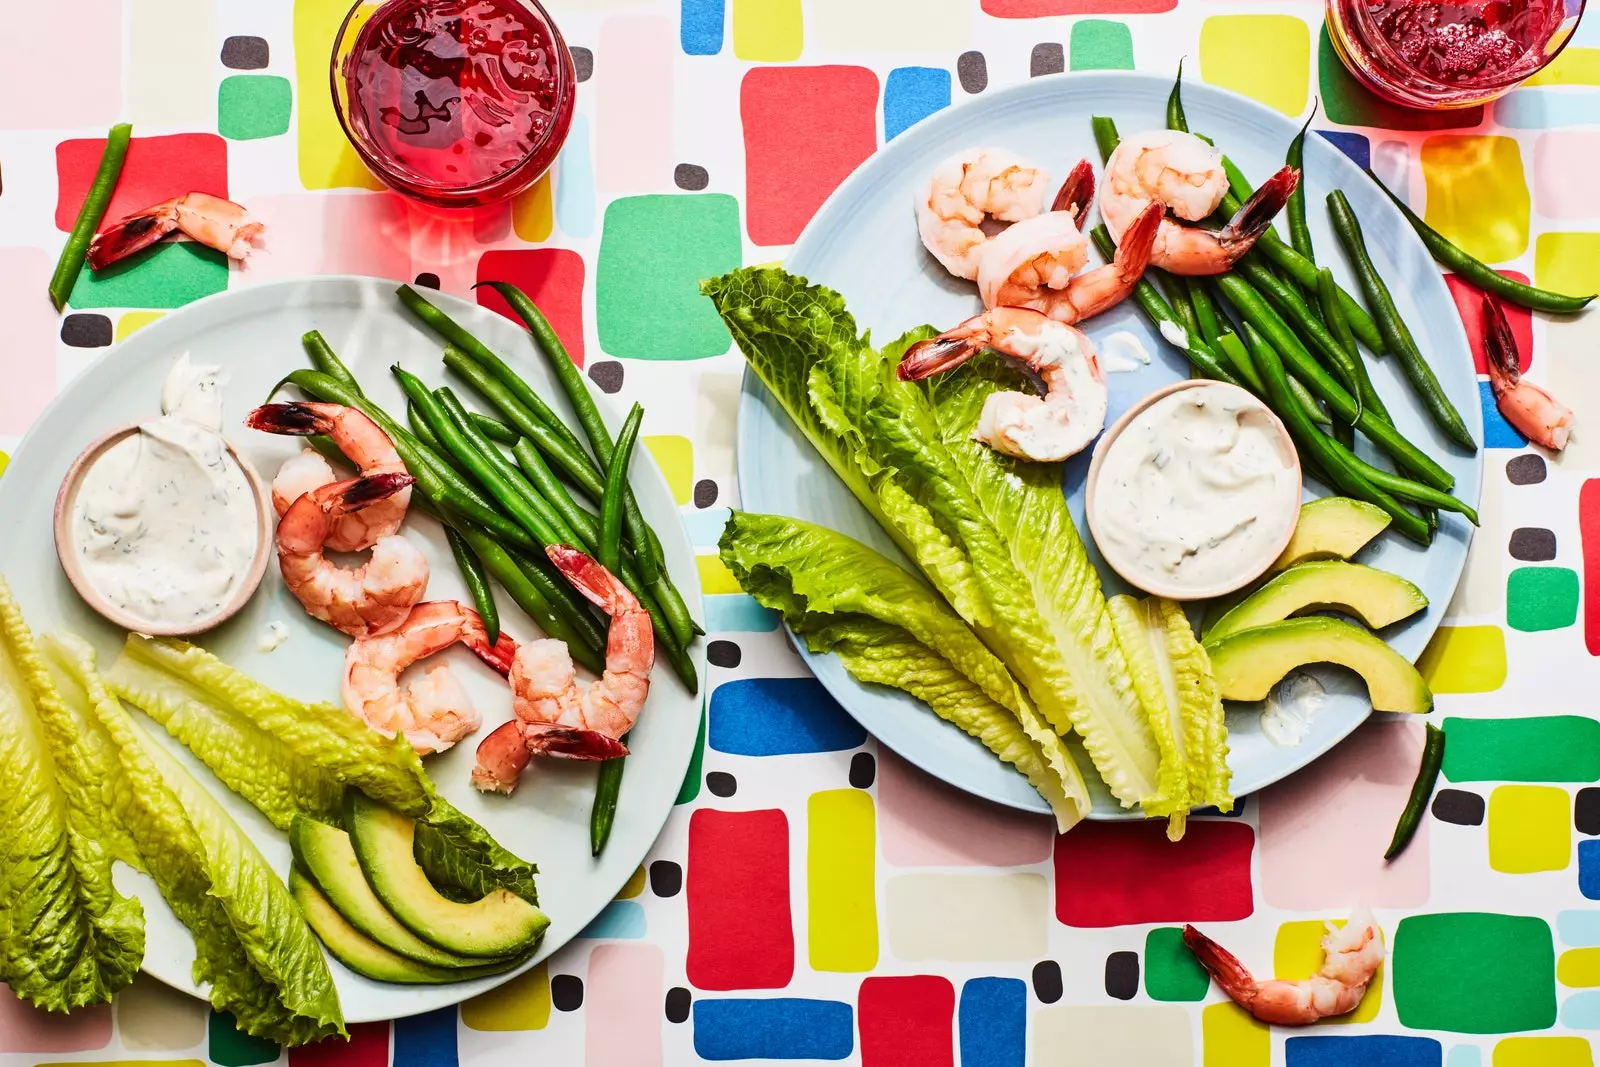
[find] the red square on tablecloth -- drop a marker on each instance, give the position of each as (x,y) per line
(552,278)
(1113,874)
(741,935)
(157,169)
(906,1022)
(1469,302)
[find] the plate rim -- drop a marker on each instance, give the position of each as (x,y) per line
(451,994)
(751,388)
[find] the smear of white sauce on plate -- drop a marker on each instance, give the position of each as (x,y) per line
(1122,352)
(273,635)
(1290,708)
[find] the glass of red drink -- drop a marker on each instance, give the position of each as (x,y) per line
(454,102)
(1428,54)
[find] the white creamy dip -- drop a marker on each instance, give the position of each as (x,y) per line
(164,522)
(1195,496)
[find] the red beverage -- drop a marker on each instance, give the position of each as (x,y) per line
(457,102)
(1439,55)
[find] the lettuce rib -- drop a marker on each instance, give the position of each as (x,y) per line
(67,938)
(252,945)
(891,629)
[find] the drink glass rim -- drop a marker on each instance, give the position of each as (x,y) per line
(1374,40)
(566,84)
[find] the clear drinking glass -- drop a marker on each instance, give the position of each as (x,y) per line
(454,102)
(1426,54)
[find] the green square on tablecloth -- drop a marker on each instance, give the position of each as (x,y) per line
(1170,970)
(250,106)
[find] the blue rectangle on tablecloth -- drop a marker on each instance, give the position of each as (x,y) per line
(700,31)
(993,1017)
(911,94)
(1589,869)
(1354,145)
(620,918)
(1497,432)
(779,717)
(779,1028)
(426,1040)
(1368,1050)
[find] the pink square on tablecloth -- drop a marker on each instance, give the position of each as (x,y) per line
(24,1028)
(1324,829)
(926,823)
(1033,9)
(622,1006)
(30,332)
(1564,163)
(63,77)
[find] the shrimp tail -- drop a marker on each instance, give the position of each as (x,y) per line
(567,742)
(358,493)
(1138,241)
(499,655)
(128,235)
(1499,348)
(293,419)
(1224,966)
(1076,193)
(935,356)
(1257,213)
(502,757)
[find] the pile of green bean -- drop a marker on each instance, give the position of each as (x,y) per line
(502,511)
(1292,339)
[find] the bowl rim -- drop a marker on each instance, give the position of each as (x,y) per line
(1115,430)
(67,494)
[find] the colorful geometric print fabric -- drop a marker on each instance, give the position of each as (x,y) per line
(813,897)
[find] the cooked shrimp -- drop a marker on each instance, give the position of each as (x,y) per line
(1185,175)
(1048,428)
(362,443)
(964,190)
(372,599)
(211,220)
(1035,264)
(1537,415)
(1352,955)
(435,711)
(556,714)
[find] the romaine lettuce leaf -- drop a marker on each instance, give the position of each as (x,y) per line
(891,629)
(283,756)
(67,937)
(992,535)
(1172,675)
(252,945)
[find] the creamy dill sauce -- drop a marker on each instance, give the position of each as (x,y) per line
(1196,493)
(164,521)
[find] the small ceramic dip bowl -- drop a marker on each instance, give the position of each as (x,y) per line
(1194,491)
(66,501)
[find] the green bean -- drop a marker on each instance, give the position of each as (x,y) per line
(1202,355)
(1177,296)
(1296,313)
(575,464)
(419,426)
(495,430)
(594,427)
(532,592)
(1309,403)
(616,482)
(1238,357)
(508,472)
(477,581)
(1205,310)
(1407,489)
(1105,136)
(327,361)
(538,472)
(1299,232)
(1340,403)
(1347,479)
(604,813)
(1479,273)
(1421,790)
(446,327)
(1396,337)
(95,202)
(1338,324)
(1176,120)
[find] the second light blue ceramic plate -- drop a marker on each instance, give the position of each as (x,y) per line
(863,243)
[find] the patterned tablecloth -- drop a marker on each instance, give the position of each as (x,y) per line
(812,896)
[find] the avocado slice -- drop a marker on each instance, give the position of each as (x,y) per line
(1249,663)
(325,854)
(365,956)
(1376,597)
(499,924)
(1334,527)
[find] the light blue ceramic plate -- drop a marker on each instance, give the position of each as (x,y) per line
(863,243)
